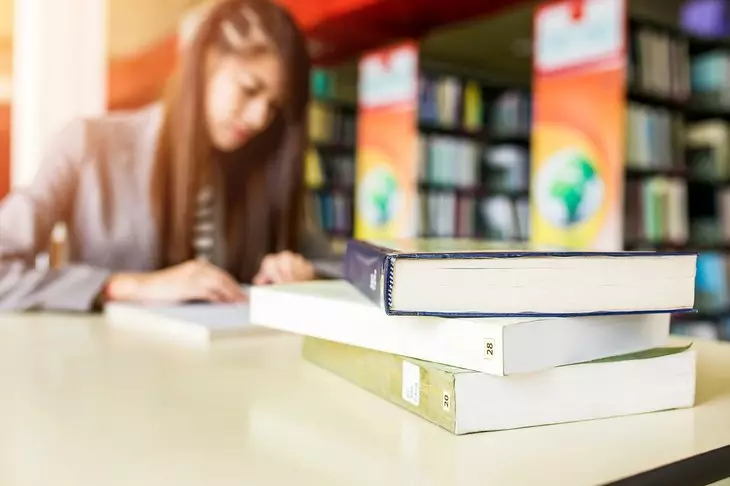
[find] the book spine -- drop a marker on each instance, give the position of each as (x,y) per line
(365,269)
(411,384)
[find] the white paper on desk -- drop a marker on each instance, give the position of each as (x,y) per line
(193,321)
(214,317)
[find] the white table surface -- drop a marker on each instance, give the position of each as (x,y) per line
(86,405)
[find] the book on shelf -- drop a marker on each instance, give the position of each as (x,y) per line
(678,172)
(449,170)
(411,278)
(658,63)
(465,214)
(331,211)
(710,73)
(708,150)
(507,168)
(472,159)
(505,211)
(332,122)
(712,282)
(448,160)
(330,166)
(336,311)
(654,138)
(451,102)
(473,118)
(656,210)
(504,218)
(441,102)
(464,401)
(510,114)
(712,321)
(656,202)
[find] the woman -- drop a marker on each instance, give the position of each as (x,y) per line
(184,200)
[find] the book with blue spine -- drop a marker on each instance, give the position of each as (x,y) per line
(470,278)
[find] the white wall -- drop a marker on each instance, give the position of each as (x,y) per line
(59,73)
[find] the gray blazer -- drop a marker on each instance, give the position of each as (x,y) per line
(95,177)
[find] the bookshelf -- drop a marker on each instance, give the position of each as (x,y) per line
(677,192)
(473,158)
(442,153)
(651,135)
(330,166)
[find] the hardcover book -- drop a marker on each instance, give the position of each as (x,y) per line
(474,279)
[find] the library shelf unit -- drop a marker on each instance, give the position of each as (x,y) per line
(473,157)
(677,192)
(330,166)
(465,170)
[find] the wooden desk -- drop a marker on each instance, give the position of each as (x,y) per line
(84,405)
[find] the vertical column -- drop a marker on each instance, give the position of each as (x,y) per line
(579,106)
(59,73)
(387,144)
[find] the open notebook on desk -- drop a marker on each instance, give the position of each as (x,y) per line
(197,322)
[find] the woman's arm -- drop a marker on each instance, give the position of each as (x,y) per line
(315,258)
(27,217)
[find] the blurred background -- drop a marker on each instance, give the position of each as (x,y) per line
(60,59)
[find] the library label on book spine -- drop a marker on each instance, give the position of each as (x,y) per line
(411,383)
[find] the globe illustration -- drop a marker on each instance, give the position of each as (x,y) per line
(569,188)
(378,196)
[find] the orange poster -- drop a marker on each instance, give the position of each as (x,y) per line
(579,76)
(387,140)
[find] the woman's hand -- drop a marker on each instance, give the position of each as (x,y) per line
(284,267)
(192,280)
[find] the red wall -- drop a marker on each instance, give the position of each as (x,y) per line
(141,79)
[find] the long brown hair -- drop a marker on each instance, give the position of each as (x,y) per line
(261,186)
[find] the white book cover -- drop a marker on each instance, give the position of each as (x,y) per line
(588,391)
(337,311)
(193,322)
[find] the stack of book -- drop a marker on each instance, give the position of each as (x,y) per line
(484,339)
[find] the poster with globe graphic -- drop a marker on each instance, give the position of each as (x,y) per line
(387,138)
(576,188)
